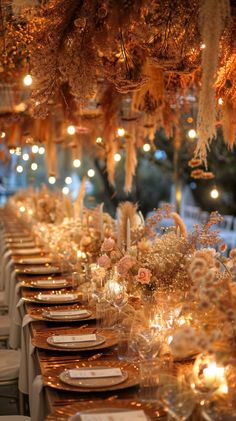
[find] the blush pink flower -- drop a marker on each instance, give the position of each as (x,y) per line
(104,261)
(125,264)
(108,245)
(144,275)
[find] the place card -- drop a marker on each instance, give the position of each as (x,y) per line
(55,297)
(138,415)
(58,339)
(59,313)
(95,373)
(50,282)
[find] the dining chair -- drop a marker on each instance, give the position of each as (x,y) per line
(9,373)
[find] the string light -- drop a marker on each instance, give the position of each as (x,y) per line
(76,163)
(25,157)
(71,130)
(19,169)
(18,151)
(91,173)
(41,150)
(12,151)
(192,134)
(68,180)
(22,209)
(220,101)
(3,134)
(121,132)
(203,46)
(65,190)
(99,140)
(52,179)
(214,193)
(35,148)
(189,120)
(27,80)
(34,166)
(146,147)
(117,157)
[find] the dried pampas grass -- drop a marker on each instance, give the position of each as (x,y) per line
(229,124)
(78,205)
(213,15)
(126,211)
(131,159)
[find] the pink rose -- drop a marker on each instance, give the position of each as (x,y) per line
(108,245)
(144,275)
(104,261)
(125,264)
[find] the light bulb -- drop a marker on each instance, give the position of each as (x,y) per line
(25,157)
(52,179)
(117,157)
(192,134)
(99,140)
(65,190)
(220,101)
(3,134)
(214,193)
(91,173)
(27,80)
(12,151)
(121,132)
(35,148)
(146,147)
(202,46)
(22,209)
(19,169)
(71,130)
(68,180)
(41,150)
(76,163)
(34,166)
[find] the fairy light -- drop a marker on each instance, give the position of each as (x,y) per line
(22,209)
(192,134)
(99,140)
(25,157)
(3,134)
(41,150)
(68,180)
(35,148)
(146,147)
(121,132)
(214,193)
(203,46)
(220,101)
(65,190)
(19,169)
(18,151)
(27,80)
(52,179)
(117,157)
(34,166)
(11,151)
(91,173)
(71,130)
(76,163)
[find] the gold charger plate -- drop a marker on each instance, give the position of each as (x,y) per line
(64,413)
(80,346)
(39,270)
(69,317)
(109,340)
(39,313)
(52,378)
(56,298)
(34,261)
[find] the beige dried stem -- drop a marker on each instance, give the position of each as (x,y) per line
(78,205)
(127,211)
(180,225)
(131,158)
(213,16)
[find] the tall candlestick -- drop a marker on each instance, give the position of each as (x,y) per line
(101,221)
(118,229)
(128,235)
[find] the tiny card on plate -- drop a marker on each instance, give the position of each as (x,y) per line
(95,373)
(73,338)
(138,415)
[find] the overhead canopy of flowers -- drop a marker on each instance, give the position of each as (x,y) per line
(98,63)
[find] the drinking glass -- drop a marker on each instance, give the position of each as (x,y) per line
(177,399)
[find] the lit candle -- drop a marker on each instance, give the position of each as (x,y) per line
(128,235)
(213,375)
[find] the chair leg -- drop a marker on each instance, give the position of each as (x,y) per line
(21,403)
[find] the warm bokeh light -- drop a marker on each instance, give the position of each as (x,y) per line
(71,130)
(68,180)
(41,150)
(99,140)
(146,147)
(214,193)
(12,151)
(117,157)
(25,157)
(35,148)
(220,101)
(34,166)
(65,190)
(189,119)
(19,169)
(27,80)
(192,134)
(121,132)
(203,46)
(76,163)
(18,151)
(22,209)
(91,173)
(52,179)
(3,134)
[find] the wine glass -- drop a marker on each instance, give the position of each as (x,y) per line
(116,294)
(177,400)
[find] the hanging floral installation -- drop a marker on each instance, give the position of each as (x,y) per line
(89,58)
